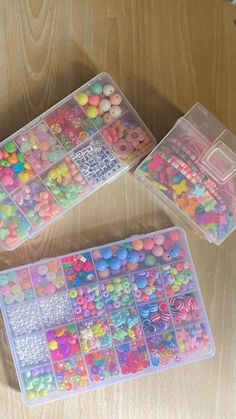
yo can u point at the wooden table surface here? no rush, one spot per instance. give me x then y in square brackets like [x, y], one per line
[165, 55]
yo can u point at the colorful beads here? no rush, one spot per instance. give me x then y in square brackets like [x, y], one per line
[147, 286]
[193, 339]
[155, 317]
[86, 302]
[71, 374]
[70, 125]
[63, 342]
[14, 169]
[78, 269]
[102, 103]
[127, 138]
[38, 382]
[125, 325]
[16, 286]
[14, 227]
[40, 147]
[96, 162]
[102, 365]
[47, 278]
[163, 349]
[94, 334]
[177, 277]
[117, 293]
[133, 357]
[36, 203]
[185, 308]
[66, 182]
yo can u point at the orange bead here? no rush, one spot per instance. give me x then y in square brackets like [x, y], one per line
[132, 266]
[61, 331]
[13, 158]
[137, 245]
[5, 154]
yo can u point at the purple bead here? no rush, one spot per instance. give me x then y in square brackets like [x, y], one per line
[51, 335]
[65, 349]
[61, 339]
[141, 256]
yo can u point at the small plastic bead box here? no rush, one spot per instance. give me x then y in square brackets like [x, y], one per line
[103, 315]
[89, 138]
[193, 170]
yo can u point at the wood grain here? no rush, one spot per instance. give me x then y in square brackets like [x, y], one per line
[165, 55]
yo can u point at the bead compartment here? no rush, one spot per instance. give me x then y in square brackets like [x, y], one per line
[109, 345]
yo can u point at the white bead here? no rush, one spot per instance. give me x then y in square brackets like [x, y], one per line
[115, 111]
[108, 89]
[105, 105]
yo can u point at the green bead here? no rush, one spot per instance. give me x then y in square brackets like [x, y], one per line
[21, 157]
[5, 163]
[71, 328]
[150, 260]
[98, 121]
[4, 280]
[4, 233]
[96, 88]
[10, 147]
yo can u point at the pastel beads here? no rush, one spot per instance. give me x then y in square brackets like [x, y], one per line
[102, 103]
[86, 302]
[78, 269]
[38, 382]
[155, 317]
[47, 278]
[147, 286]
[125, 325]
[70, 125]
[66, 182]
[102, 365]
[94, 334]
[16, 286]
[63, 342]
[71, 374]
[127, 138]
[14, 227]
[37, 203]
[177, 277]
[14, 169]
[117, 293]
[40, 147]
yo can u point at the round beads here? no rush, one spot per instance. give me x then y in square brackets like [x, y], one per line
[63, 342]
[155, 317]
[116, 293]
[94, 334]
[78, 269]
[125, 325]
[38, 382]
[36, 203]
[70, 125]
[127, 138]
[132, 357]
[71, 374]
[31, 349]
[16, 286]
[185, 308]
[147, 286]
[86, 302]
[66, 182]
[102, 365]
[48, 278]
[55, 310]
[101, 100]
[14, 169]
[24, 317]
[177, 277]
[40, 147]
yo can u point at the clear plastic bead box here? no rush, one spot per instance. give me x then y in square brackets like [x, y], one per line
[104, 315]
[193, 170]
[89, 138]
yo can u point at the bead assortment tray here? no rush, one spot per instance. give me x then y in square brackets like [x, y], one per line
[103, 315]
[193, 170]
[89, 138]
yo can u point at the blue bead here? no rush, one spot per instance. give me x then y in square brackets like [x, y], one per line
[101, 265]
[175, 251]
[18, 167]
[133, 257]
[115, 263]
[107, 253]
[122, 254]
[141, 281]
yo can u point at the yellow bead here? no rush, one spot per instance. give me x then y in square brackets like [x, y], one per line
[16, 289]
[24, 177]
[82, 99]
[92, 112]
[27, 166]
[53, 345]
[73, 293]
[31, 395]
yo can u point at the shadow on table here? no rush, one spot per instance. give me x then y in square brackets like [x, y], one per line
[8, 376]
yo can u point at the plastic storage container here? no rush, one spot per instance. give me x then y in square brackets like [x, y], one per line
[104, 315]
[193, 169]
[89, 138]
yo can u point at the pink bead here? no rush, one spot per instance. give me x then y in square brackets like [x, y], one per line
[7, 180]
[107, 118]
[159, 239]
[5, 290]
[168, 244]
[115, 99]
[157, 251]
[175, 235]
[148, 244]
[94, 100]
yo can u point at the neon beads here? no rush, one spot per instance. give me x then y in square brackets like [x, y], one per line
[117, 293]
[133, 357]
[63, 342]
[102, 365]
[94, 334]
[78, 269]
[71, 374]
[86, 302]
